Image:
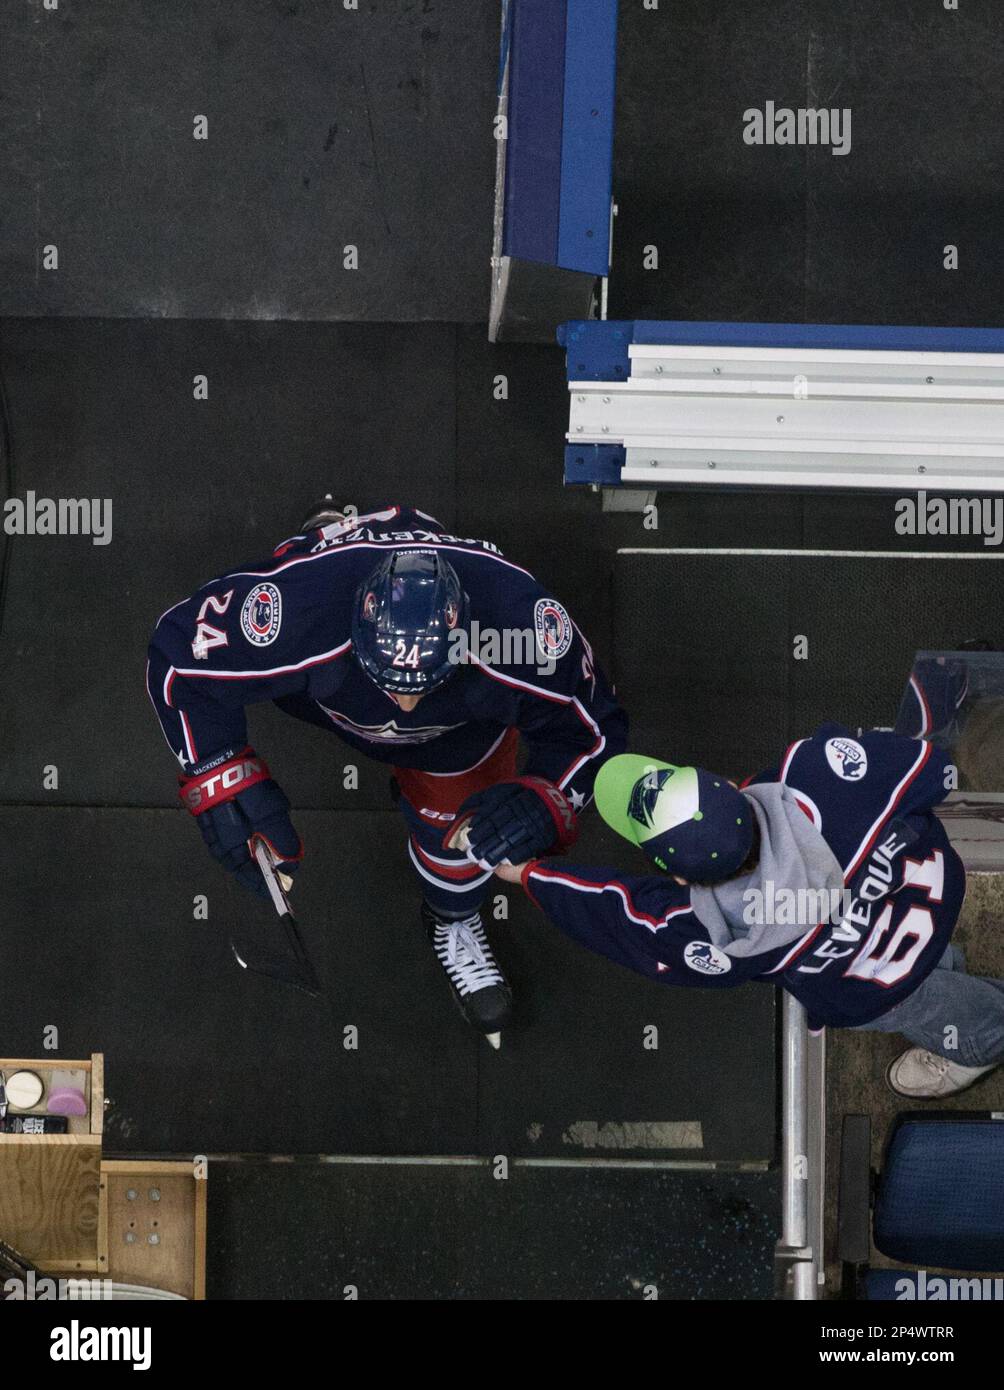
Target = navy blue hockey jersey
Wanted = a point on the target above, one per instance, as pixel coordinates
(281, 631)
(871, 799)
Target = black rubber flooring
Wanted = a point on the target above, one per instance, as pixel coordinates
(797, 233)
(328, 133)
(335, 1233)
(102, 941)
(721, 630)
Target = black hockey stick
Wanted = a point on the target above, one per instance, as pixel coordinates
(291, 966)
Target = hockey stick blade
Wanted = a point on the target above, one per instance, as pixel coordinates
(295, 971)
(292, 967)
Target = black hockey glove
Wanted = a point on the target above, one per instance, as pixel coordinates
(514, 821)
(233, 797)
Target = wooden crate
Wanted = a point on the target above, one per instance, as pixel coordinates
(152, 1225)
(50, 1183)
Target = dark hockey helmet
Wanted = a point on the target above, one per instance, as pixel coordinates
(404, 622)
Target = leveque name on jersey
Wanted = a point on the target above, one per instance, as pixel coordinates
(846, 937)
(413, 537)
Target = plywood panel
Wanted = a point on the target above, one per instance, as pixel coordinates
(49, 1199)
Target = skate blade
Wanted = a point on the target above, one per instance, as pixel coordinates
(495, 1039)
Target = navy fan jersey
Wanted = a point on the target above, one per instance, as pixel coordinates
(871, 799)
(934, 696)
(281, 631)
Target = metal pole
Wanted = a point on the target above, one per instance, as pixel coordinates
(796, 1259)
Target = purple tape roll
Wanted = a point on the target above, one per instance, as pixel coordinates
(66, 1100)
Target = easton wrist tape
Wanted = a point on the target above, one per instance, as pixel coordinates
(223, 782)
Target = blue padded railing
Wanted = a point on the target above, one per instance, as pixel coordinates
(598, 351)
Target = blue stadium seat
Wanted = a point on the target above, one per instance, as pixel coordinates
(940, 1199)
(897, 1285)
(938, 1204)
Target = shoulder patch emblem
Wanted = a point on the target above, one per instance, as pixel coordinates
(261, 616)
(706, 959)
(846, 758)
(553, 627)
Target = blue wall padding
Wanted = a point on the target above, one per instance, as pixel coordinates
(533, 152)
(587, 135)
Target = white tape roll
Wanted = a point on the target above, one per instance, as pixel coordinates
(24, 1090)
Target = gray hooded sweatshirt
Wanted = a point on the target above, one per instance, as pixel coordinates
(793, 856)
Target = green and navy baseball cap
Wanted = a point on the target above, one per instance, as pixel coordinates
(686, 820)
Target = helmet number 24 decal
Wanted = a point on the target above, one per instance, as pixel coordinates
(405, 655)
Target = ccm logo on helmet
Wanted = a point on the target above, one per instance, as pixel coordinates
(201, 793)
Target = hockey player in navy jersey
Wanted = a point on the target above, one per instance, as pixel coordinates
(830, 875)
(424, 650)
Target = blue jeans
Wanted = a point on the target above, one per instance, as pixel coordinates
(970, 1005)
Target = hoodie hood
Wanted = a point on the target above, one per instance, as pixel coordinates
(795, 860)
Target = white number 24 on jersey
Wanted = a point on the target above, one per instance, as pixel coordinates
(206, 636)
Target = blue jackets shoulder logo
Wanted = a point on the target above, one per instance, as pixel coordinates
(846, 758)
(553, 627)
(706, 959)
(261, 616)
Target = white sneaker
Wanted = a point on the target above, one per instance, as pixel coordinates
(925, 1075)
